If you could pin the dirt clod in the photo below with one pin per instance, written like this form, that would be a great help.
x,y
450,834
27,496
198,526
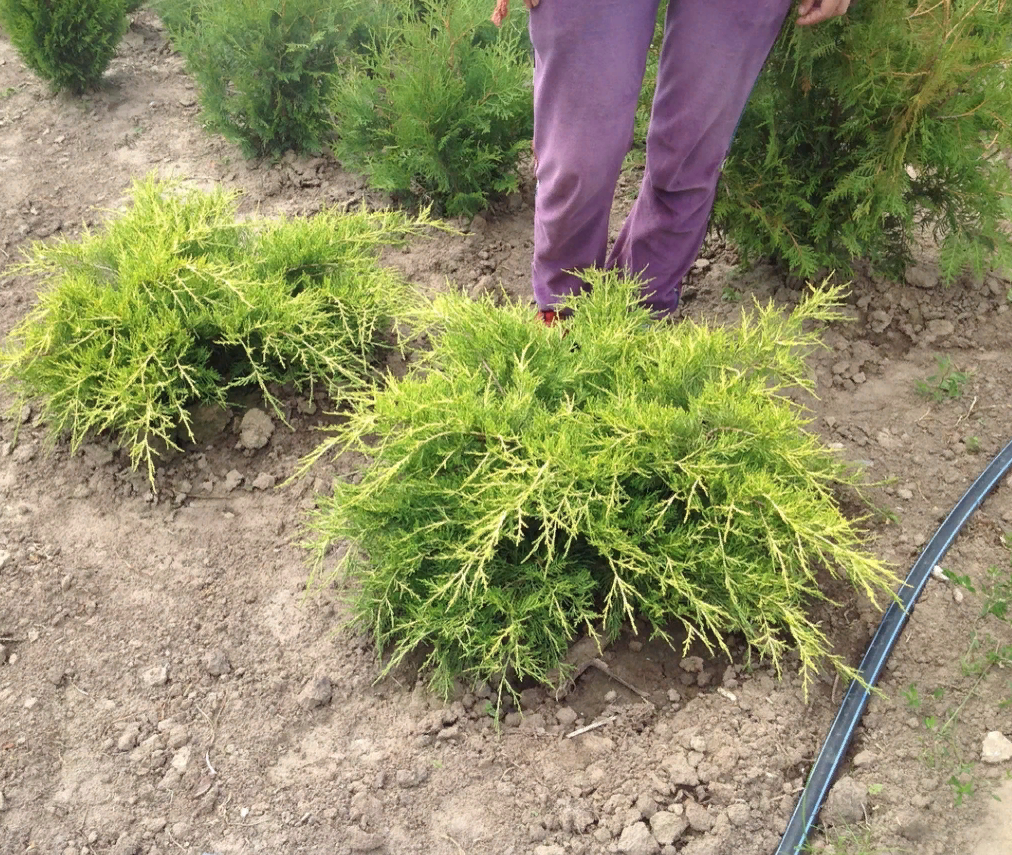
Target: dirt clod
x,y
846,803
256,429
216,662
668,827
636,839
156,675
316,693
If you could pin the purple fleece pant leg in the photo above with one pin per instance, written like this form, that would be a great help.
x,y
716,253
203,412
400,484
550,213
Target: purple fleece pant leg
x,y
590,56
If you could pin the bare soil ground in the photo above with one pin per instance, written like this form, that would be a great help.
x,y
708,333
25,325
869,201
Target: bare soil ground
x,y
159,665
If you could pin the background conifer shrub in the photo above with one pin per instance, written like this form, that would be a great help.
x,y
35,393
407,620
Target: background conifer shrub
x,y
264,68
526,488
440,111
175,303
864,132
67,42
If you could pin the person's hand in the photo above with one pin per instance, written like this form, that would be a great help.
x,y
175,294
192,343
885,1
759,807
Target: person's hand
x,y
811,11
502,9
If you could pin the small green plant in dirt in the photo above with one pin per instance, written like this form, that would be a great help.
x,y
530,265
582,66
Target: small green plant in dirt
x,y
66,42
912,697
440,111
963,783
528,487
175,303
945,384
265,68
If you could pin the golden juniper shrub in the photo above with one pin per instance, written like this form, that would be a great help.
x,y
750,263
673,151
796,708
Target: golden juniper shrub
x,y
528,487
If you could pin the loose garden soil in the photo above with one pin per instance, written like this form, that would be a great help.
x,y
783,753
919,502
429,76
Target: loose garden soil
x,y
166,685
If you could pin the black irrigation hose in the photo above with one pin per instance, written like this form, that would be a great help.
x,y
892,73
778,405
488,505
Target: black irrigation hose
x,y
886,636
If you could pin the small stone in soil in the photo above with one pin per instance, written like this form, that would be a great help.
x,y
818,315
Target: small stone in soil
x,y
565,716
738,814
698,817
232,480
316,693
636,839
691,664
667,827
361,841
846,803
864,758
129,738
216,662
157,675
996,748
264,481
407,779
255,430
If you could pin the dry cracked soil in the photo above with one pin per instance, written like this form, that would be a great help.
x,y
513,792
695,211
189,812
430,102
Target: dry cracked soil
x,y
166,686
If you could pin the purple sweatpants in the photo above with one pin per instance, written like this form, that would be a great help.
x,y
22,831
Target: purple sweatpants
x,y
590,57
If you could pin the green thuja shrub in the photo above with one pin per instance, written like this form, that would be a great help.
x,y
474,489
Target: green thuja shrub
x,y
67,42
527,487
441,110
175,303
265,68
864,133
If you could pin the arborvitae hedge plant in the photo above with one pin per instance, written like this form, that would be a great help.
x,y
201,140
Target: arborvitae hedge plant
x,y
526,487
865,131
67,42
175,303
265,68
441,110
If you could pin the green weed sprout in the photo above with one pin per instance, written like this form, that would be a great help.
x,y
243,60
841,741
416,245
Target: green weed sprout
x,y
175,303
528,487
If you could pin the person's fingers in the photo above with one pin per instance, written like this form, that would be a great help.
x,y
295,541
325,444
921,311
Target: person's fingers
x,y
502,9
530,4
820,10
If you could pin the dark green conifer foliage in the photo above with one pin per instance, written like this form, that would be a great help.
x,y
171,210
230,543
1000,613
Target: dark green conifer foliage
x,y
67,42
265,68
867,132
440,111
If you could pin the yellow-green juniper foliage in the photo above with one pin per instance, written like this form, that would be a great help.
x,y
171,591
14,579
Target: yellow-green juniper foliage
x,y
527,487
175,302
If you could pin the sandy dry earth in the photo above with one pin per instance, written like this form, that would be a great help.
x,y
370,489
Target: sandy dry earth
x,y
160,675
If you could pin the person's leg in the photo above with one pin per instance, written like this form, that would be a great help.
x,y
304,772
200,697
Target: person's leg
x,y
713,52
589,58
